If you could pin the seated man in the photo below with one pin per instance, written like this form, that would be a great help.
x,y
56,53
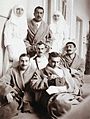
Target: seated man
x,y
74,63
53,87
40,60
15,83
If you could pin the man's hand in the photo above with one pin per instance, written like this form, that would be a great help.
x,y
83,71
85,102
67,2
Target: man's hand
x,y
73,71
9,97
53,76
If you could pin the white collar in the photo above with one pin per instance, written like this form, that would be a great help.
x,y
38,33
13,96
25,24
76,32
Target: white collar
x,y
38,24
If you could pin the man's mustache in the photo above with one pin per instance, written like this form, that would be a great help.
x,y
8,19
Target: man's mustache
x,y
69,50
40,52
38,17
24,65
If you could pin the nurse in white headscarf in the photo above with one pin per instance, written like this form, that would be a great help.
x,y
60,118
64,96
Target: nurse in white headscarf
x,y
15,33
60,31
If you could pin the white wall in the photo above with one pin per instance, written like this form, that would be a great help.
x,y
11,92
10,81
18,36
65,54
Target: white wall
x,y
80,9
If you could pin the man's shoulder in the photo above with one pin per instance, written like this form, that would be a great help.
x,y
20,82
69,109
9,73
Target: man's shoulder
x,y
44,24
15,68
30,22
33,59
79,58
12,69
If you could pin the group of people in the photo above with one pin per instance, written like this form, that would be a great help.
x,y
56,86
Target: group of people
x,y
37,72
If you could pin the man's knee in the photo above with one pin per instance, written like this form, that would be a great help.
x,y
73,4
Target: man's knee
x,y
9,110
62,103
57,107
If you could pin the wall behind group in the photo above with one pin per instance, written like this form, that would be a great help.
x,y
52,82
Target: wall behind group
x,y
80,10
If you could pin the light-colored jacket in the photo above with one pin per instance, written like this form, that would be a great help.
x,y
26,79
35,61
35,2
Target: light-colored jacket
x,y
43,33
76,66
14,81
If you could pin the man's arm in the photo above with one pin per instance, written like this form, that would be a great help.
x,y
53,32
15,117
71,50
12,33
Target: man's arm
x,y
79,71
5,83
38,82
5,79
50,38
27,42
81,68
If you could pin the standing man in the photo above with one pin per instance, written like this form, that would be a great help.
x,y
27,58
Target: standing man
x,y
15,82
37,30
74,63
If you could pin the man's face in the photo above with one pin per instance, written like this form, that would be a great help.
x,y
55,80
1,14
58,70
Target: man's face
x,y
19,12
54,62
40,49
38,14
24,62
70,49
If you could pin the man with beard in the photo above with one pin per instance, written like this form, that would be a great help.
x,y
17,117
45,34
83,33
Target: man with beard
x,y
37,30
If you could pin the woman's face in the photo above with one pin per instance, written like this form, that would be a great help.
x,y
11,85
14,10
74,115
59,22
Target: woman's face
x,y
19,11
56,17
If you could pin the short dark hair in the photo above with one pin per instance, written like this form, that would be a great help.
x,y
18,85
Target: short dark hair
x,y
40,43
53,54
38,7
71,43
24,55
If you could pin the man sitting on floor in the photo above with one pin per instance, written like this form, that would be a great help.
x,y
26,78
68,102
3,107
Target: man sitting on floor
x,y
15,83
74,63
40,60
54,87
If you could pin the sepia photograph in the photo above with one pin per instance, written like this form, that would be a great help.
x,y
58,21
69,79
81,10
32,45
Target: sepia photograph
x,y
45,59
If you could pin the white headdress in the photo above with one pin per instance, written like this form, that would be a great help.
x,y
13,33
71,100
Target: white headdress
x,y
58,13
20,21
